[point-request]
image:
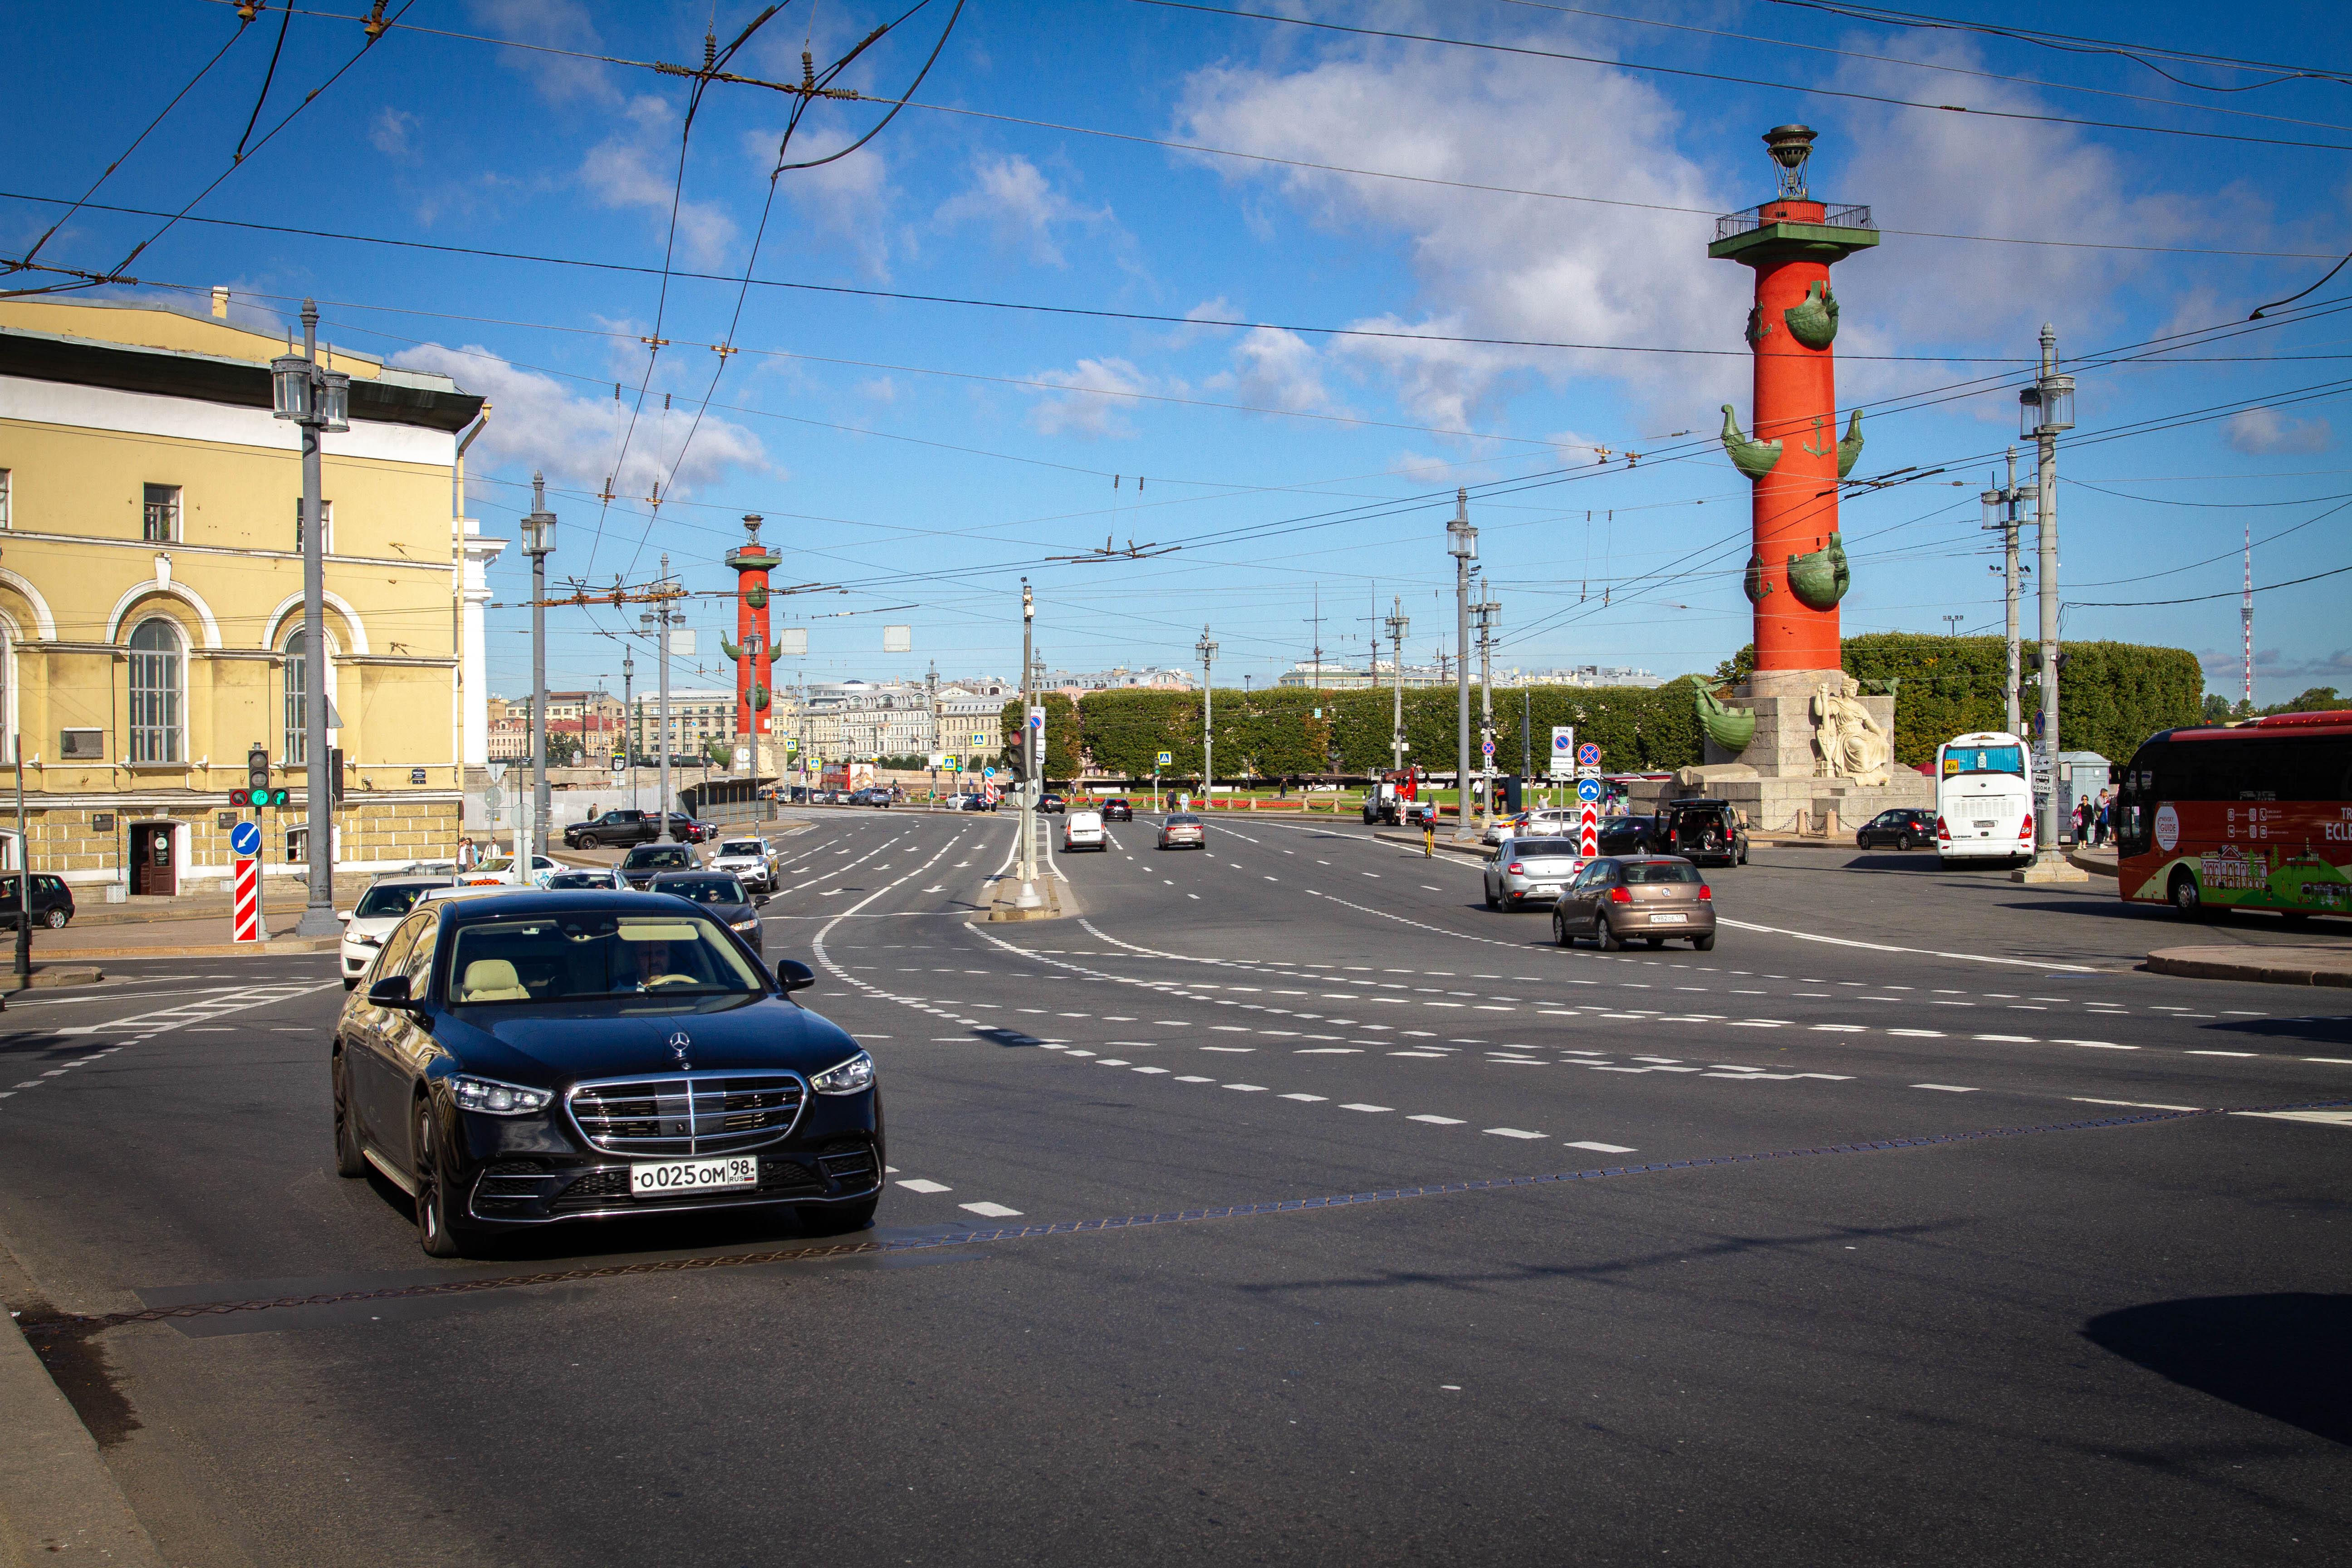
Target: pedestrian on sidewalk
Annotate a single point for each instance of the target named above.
(466, 854)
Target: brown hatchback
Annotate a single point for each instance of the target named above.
(1652, 897)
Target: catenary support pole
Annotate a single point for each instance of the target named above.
(1461, 543)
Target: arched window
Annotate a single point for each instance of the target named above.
(155, 677)
(296, 750)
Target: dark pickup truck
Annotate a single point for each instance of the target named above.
(622, 829)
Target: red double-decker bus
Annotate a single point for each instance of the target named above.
(2255, 815)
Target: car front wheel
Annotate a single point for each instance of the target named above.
(434, 1232)
(349, 1160)
(55, 920)
(1862, 840)
(1559, 930)
(588, 841)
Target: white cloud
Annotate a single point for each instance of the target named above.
(1091, 404)
(393, 132)
(850, 199)
(1491, 266)
(561, 25)
(2265, 432)
(1275, 369)
(637, 167)
(539, 422)
(1015, 200)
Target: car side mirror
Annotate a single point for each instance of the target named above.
(794, 976)
(343, 915)
(759, 901)
(392, 992)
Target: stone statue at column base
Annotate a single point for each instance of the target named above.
(1852, 744)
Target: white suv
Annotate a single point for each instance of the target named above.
(749, 859)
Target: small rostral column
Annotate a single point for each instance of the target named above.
(1798, 572)
(754, 651)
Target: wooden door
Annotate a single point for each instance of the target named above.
(151, 868)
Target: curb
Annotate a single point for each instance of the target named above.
(2273, 965)
(2095, 868)
(276, 947)
(51, 974)
(56, 1496)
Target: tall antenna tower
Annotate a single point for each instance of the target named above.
(2246, 614)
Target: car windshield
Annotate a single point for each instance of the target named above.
(656, 856)
(1653, 871)
(1983, 760)
(569, 956)
(390, 903)
(744, 846)
(704, 890)
(1542, 848)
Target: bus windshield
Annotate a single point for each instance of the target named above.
(1959, 759)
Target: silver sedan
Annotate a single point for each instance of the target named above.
(1530, 871)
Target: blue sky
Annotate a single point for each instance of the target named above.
(924, 456)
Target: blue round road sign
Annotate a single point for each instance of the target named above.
(245, 838)
(1587, 789)
(1587, 755)
(988, 773)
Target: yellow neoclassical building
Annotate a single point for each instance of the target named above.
(151, 598)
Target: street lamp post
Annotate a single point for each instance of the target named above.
(629, 719)
(657, 622)
(2001, 515)
(2044, 409)
(538, 542)
(1399, 624)
(1207, 650)
(1031, 788)
(317, 400)
(1461, 543)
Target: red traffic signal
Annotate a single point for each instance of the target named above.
(240, 797)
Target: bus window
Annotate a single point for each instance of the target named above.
(1984, 760)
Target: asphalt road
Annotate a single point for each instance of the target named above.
(1910, 1222)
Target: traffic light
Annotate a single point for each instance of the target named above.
(257, 768)
(240, 797)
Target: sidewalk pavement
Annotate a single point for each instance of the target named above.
(2299, 965)
(59, 1501)
(199, 937)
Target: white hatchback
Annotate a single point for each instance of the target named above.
(1083, 830)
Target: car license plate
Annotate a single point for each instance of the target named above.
(1666, 920)
(1542, 888)
(671, 1177)
(1984, 825)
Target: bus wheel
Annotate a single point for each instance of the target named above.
(2187, 903)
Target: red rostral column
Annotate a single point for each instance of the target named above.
(1796, 458)
(753, 651)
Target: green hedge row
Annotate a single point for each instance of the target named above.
(1270, 734)
(2112, 695)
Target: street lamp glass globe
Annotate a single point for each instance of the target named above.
(289, 385)
(334, 400)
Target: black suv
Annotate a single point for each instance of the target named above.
(52, 902)
(1905, 827)
(1701, 830)
(624, 827)
(641, 865)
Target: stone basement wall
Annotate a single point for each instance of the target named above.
(376, 833)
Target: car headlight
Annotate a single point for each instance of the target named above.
(368, 940)
(489, 1096)
(752, 924)
(851, 1077)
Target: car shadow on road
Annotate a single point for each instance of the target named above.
(2287, 1356)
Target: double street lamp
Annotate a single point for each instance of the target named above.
(317, 400)
(1207, 650)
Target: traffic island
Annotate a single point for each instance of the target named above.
(1004, 900)
(44, 976)
(2311, 965)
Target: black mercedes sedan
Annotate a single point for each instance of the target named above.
(520, 1058)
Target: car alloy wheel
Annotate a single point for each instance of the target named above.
(1610, 941)
(1559, 930)
(349, 1160)
(434, 1232)
(1903, 841)
(588, 841)
(55, 920)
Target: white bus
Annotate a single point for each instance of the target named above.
(1984, 804)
